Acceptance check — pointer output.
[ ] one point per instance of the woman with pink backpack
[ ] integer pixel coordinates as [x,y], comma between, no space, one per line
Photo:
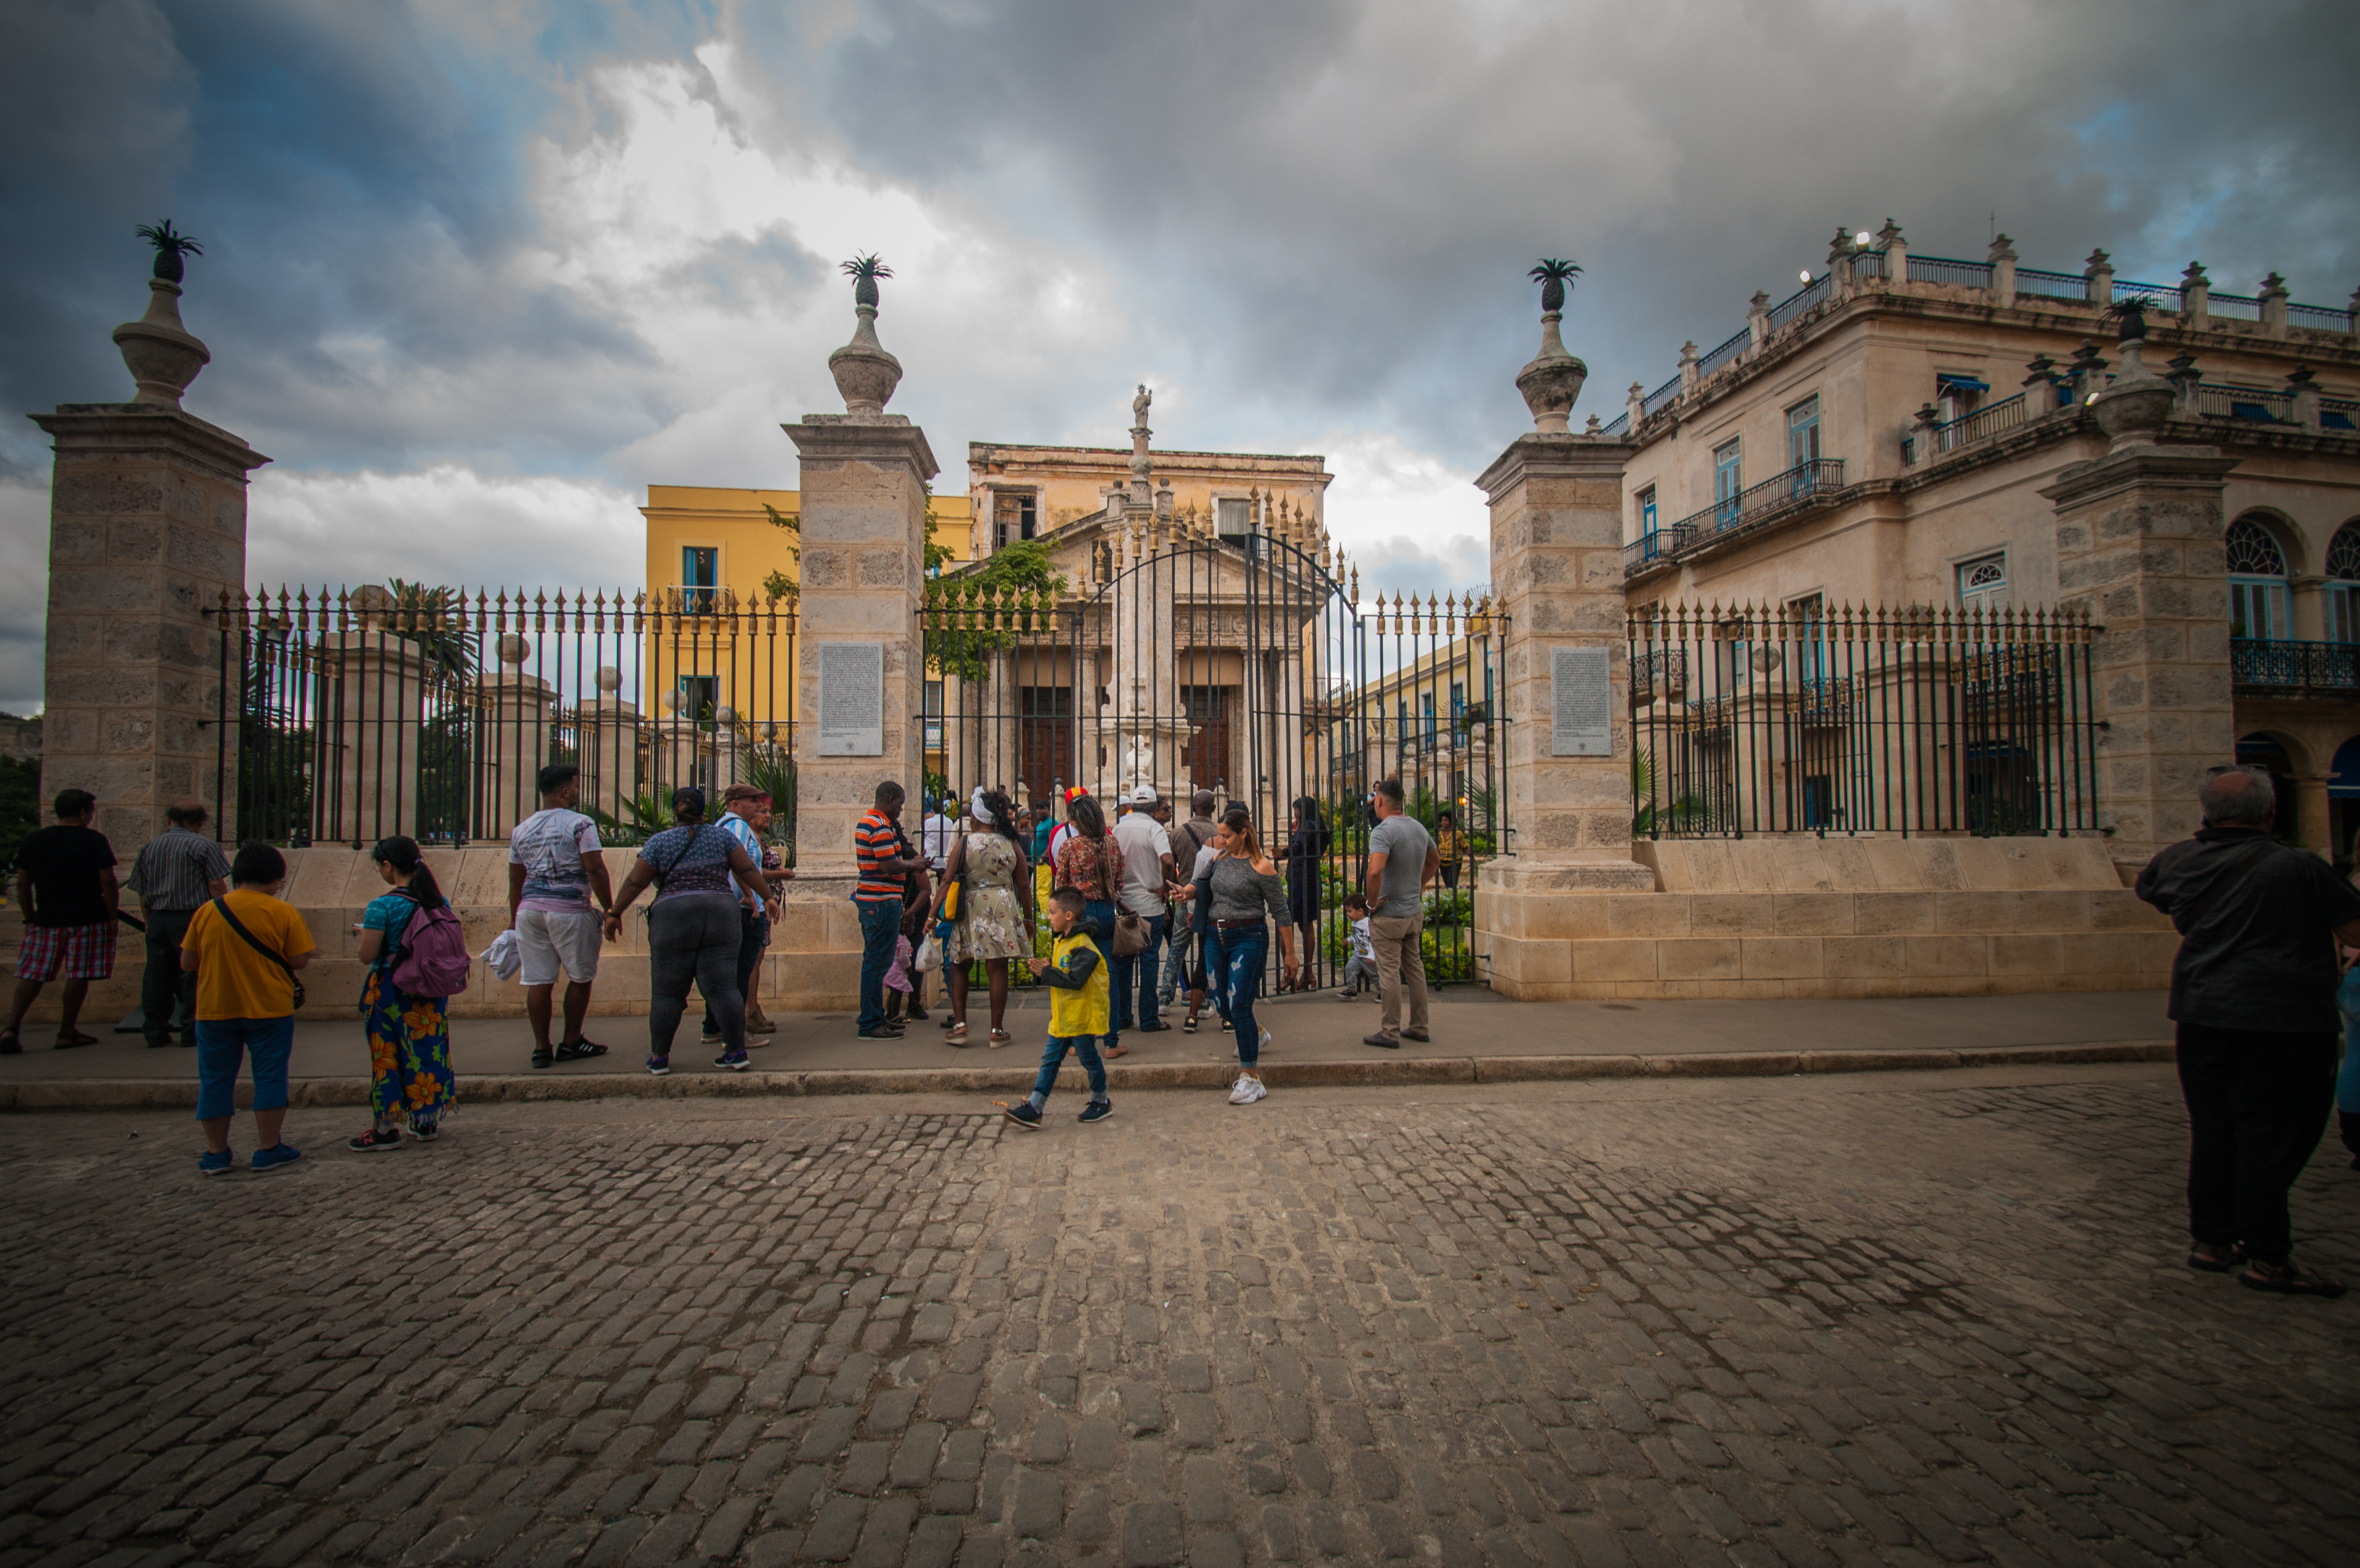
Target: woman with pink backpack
[417,954]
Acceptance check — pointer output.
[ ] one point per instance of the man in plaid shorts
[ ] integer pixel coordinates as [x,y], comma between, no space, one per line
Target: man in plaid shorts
[65,885]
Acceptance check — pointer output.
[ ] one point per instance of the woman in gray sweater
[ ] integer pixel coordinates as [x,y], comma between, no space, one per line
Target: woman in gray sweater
[1245,895]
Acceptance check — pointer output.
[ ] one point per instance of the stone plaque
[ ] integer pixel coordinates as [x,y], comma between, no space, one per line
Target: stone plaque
[851,699]
[1581,703]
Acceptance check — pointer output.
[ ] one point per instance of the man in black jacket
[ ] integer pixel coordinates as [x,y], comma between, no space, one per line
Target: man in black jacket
[2253,994]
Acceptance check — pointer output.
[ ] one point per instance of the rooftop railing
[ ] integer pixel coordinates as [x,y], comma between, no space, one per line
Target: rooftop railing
[1618,425]
[2158,296]
[1802,300]
[2318,318]
[2052,285]
[1727,352]
[1660,398]
[1943,270]
[2233,307]
[2007,414]
[2251,403]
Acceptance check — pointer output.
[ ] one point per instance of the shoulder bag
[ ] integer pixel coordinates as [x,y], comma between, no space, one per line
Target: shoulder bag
[694,834]
[221,908]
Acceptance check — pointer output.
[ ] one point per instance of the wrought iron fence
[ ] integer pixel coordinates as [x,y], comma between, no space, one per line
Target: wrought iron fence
[1944,269]
[2157,296]
[1660,398]
[1993,419]
[2331,668]
[1725,353]
[2257,404]
[1248,668]
[1801,301]
[1757,719]
[2320,318]
[348,715]
[2052,285]
[2233,307]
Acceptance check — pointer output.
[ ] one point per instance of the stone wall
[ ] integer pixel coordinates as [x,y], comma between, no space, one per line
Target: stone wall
[814,963]
[1810,917]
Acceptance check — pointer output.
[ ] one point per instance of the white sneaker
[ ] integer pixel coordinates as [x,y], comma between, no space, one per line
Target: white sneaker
[1249,1089]
[1263,1043]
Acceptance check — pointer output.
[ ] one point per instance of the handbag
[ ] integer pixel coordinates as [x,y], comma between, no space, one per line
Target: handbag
[221,908]
[1129,934]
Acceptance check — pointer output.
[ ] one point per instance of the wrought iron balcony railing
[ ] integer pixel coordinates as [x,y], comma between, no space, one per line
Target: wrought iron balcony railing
[2325,669]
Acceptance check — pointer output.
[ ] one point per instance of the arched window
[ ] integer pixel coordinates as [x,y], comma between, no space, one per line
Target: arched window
[2257,582]
[2343,590]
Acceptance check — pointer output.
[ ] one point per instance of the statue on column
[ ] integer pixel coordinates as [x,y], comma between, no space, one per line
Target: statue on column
[1138,405]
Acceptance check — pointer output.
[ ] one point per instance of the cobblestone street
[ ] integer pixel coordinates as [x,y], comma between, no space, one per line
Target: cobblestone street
[1897,1318]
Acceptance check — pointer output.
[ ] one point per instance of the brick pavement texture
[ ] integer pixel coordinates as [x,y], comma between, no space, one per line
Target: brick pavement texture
[1939,1319]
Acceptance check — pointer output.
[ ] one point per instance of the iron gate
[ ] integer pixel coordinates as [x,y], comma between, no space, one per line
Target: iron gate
[1246,667]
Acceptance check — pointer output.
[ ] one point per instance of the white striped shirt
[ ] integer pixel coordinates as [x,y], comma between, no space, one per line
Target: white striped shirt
[174,867]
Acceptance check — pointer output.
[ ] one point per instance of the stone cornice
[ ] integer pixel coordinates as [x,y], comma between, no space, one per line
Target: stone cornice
[2149,467]
[883,440]
[80,430]
[1570,456]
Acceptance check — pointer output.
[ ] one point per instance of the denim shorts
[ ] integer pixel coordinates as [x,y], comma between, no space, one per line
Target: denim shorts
[222,1043]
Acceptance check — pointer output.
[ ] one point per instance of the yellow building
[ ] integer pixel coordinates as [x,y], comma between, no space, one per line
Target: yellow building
[715,568]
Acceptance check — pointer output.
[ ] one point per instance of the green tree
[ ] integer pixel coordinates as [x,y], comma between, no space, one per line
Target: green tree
[20,801]
[979,612]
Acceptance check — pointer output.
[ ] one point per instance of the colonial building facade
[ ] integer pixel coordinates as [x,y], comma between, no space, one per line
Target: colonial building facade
[1891,434]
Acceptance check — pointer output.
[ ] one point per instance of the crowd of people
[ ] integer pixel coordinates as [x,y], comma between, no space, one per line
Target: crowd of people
[1134,909]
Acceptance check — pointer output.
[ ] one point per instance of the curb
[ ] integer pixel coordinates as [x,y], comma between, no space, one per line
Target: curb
[124,1095]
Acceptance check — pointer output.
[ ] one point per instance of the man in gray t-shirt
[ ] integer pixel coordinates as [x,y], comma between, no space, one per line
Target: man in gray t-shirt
[1401,861]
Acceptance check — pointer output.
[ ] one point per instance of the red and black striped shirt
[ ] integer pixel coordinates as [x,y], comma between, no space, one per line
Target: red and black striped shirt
[876,842]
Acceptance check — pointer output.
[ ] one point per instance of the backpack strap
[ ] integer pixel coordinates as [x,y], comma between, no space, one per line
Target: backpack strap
[221,908]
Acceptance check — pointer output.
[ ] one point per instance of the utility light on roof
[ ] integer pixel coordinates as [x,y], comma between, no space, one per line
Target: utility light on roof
[1806,274]
[1861,237]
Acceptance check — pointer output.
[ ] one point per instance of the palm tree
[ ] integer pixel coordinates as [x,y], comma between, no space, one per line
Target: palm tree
[170,247]
[864,271]
[1555,277]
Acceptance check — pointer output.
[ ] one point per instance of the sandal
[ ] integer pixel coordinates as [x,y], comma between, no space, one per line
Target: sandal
[2293,1279]
[68,1041]
[1000,1038]
[958,1036]
[949,1020]
[1188,1025]
[543,1057]
[580,1050]
[2215,1260]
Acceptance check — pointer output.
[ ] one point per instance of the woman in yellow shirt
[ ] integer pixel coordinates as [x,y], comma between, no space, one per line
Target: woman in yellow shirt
[244,949]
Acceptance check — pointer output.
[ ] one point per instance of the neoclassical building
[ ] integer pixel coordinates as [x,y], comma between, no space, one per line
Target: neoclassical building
[1888,436]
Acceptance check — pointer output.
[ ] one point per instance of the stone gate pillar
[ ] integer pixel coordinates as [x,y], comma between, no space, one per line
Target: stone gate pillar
[860,660]
[2140,547]
[1556,573]
[146,534]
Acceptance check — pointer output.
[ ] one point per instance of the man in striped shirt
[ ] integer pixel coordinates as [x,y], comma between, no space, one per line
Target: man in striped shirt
[177,872]
[885,864]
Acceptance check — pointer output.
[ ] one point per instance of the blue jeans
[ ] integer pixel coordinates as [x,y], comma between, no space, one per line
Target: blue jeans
[2347,1080]
[1135,977]
[880,924]
[1053,1057]
[222,1043]
[1237,957]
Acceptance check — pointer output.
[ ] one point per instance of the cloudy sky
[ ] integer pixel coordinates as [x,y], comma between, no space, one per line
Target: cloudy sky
[479,271]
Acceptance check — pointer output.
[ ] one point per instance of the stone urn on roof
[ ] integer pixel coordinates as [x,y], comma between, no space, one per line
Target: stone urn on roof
[865,374]
[162,355]
[1553,380]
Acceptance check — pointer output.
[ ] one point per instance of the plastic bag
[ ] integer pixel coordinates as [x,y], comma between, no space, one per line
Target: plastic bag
[930,955]
[503,958]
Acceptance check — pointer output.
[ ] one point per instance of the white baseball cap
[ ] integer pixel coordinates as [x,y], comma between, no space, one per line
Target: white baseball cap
[1144,795]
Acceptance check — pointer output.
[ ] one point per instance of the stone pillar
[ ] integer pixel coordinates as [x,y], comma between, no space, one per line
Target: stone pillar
[515,710]
[2272,300]
[2003,266]
[2138,549]
[2195,298]
[2302,391]
[607,731]
[1896,246]
[1688,376]
[1757,322]
[147,536]
[2099,273]
[372,701]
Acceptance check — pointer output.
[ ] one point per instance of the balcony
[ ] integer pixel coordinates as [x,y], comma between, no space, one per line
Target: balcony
[1799,489]
[2295,669]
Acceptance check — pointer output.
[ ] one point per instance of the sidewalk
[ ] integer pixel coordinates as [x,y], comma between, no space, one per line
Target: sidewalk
[1478,1037]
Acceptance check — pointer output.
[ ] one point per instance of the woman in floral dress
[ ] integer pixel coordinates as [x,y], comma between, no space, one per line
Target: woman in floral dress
[995,913]
[409,1036]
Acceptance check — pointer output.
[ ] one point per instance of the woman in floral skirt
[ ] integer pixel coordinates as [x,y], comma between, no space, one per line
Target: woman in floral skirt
[995,912]
[409,1036]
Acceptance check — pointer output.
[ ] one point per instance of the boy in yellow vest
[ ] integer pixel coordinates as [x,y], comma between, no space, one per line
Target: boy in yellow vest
[1078,1011]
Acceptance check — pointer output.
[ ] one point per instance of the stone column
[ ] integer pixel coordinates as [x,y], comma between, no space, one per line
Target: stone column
[1556,573]
[2003,266]
[514,711]
[146,537]
[2138,548]
[373,700]
[2098,273]
[606,732]
[2273,299]
[2195,298]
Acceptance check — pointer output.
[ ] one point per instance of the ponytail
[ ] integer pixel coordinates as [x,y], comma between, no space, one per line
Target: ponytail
[401,853]
[1243,843]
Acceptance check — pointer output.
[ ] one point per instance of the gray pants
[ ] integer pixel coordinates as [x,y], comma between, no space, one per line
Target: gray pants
[166,983]
[694,940]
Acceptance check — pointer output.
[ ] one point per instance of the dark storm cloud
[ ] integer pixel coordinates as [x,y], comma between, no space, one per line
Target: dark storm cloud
[1334,203]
